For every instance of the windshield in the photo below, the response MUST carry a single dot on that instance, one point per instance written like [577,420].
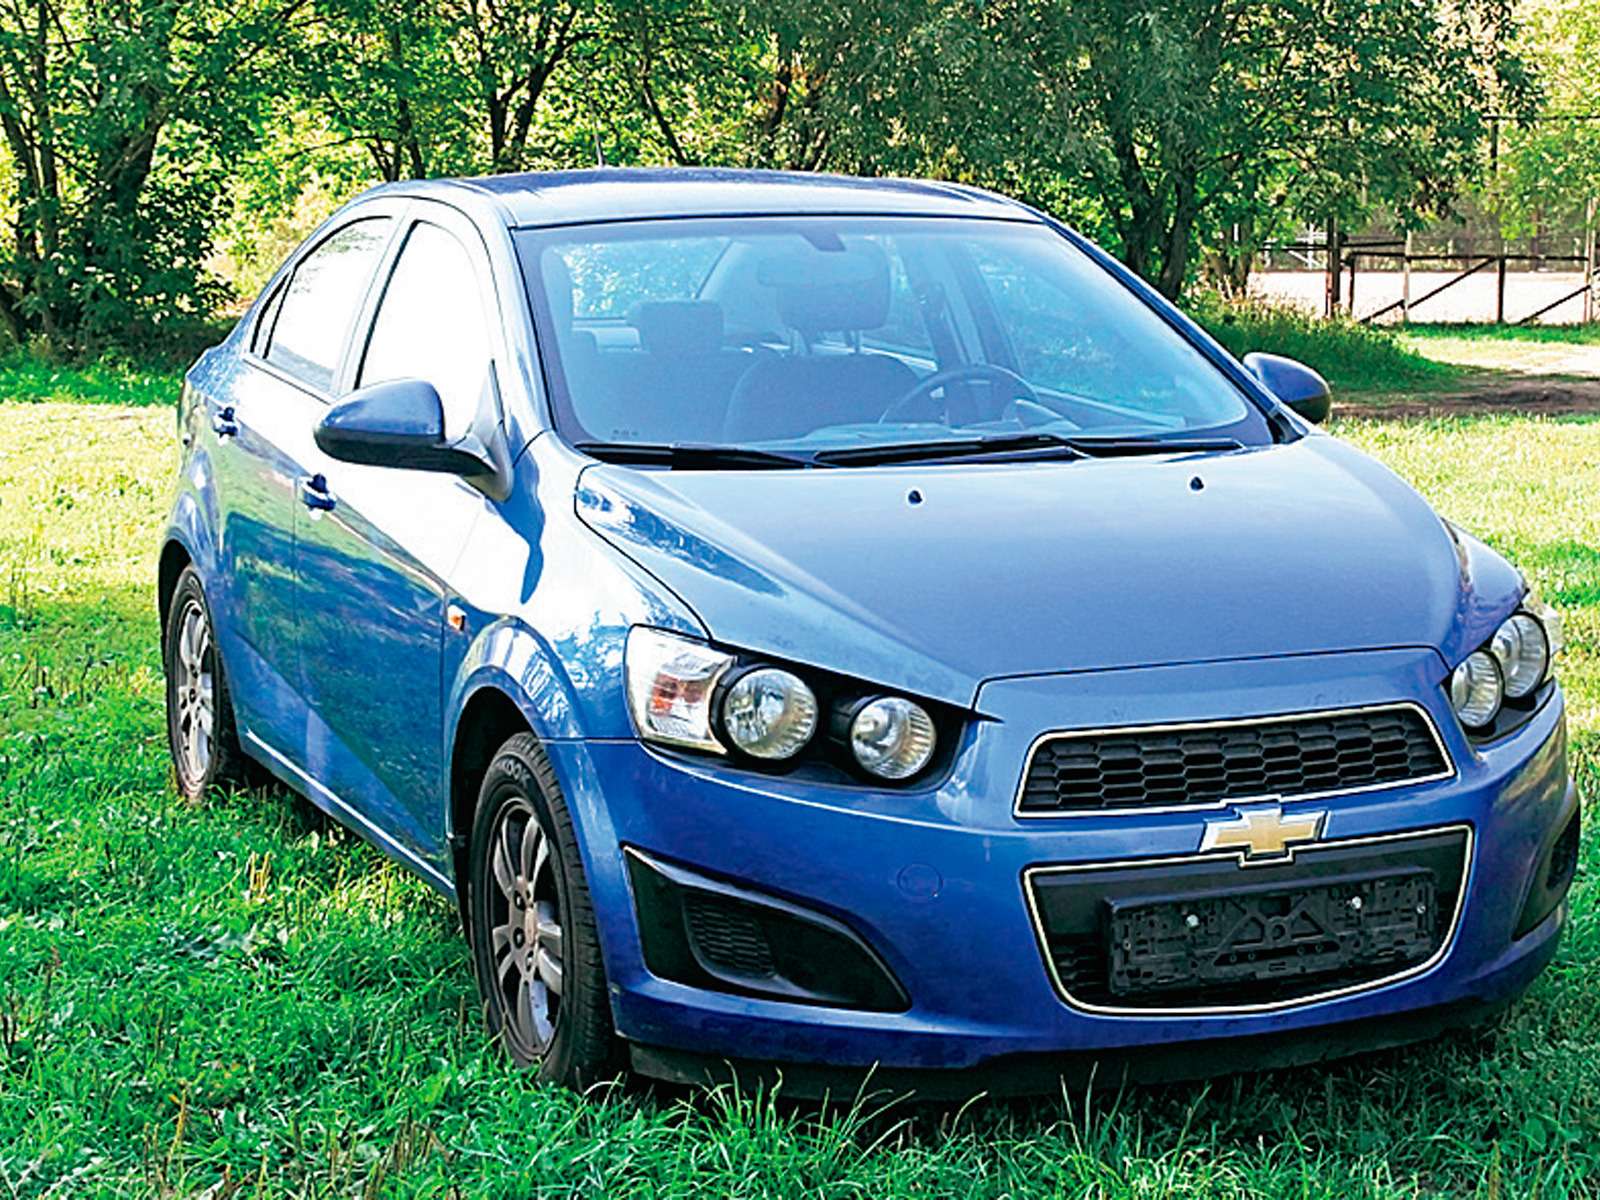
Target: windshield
[813,334]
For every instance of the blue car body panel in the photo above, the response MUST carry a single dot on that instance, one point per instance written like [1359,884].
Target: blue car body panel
[1032,597]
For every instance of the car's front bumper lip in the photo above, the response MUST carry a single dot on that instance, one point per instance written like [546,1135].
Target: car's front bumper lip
[934,884]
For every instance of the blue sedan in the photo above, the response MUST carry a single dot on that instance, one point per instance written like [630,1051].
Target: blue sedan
[825,625]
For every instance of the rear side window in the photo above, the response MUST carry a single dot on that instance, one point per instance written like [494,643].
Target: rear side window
[321,300]
[430,325]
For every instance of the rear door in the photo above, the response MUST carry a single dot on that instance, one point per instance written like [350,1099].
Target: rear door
[262,430]
[375,545]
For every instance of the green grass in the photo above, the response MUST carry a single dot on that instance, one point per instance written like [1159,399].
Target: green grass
[1576,335]
[218,999]
[1354,358]
[27,379]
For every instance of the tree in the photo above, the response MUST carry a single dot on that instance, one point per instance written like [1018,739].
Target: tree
[1182,118]
[1550,166]
[117,121]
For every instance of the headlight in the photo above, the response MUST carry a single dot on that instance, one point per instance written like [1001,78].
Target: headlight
[1520,648]
[670,681]
[892,737]
[1476,690]
[1549,618]
[769,713]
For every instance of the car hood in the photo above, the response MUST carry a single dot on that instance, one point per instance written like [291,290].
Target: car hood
[935,578]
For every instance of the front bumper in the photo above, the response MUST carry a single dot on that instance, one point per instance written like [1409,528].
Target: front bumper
[932,880]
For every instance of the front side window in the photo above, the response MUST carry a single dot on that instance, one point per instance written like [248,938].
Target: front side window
[818,333]
[320,302]
[430,325]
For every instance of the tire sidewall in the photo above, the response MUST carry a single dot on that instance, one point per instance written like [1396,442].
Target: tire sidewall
[513,775]
[188,590]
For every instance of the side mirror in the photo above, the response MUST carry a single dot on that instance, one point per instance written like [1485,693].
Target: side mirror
[1296,384]
[398,424]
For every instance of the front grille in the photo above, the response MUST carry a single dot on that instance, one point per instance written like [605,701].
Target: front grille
[1173,766]
[1120,938]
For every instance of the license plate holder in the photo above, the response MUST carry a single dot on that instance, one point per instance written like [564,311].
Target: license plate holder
[1270,932]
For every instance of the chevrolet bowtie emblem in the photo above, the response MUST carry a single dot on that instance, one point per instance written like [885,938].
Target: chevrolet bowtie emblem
[1262,832]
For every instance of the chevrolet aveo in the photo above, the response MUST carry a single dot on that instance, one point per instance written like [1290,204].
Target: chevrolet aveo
[836,624]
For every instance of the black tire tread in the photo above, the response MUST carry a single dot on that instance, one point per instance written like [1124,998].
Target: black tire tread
[586,1051]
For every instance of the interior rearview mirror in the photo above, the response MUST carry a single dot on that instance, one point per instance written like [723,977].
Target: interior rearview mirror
[399,424]
[1296,384]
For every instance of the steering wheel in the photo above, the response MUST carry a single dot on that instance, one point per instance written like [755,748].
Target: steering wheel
[942,379]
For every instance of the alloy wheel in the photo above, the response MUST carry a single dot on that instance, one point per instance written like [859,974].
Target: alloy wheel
[525,927]
[194,682]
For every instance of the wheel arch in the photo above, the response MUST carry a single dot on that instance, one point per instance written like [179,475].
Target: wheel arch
[175,557]
[487,720]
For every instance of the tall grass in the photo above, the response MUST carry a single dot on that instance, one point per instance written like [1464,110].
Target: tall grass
[1353,357]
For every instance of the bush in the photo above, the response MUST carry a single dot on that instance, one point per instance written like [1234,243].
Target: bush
[1352,356]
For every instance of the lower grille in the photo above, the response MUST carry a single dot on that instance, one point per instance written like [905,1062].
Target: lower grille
[728,935]
[1172,766]
[1203,933]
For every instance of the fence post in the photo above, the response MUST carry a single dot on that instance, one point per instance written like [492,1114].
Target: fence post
[1588,259]
[1330,292]
[1500,289]
[1405,282]
[1350,298]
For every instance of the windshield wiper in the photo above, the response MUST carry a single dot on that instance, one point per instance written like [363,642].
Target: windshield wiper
[688,455]
[1005,446]
[1023,446]
[1111,447]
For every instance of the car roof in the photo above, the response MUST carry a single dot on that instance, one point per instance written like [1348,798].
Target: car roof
[541,198]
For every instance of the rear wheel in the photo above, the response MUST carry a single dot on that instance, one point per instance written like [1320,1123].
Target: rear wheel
[200,730]
[536,949]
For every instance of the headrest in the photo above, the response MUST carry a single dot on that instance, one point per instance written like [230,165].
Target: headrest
[830,291]
[558,287]
[678,326]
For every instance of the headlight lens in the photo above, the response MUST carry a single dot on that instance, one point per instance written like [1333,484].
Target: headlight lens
[670,681]
[1549,618]
[892,737]
[1520,648]
[769,713]
[1476,690]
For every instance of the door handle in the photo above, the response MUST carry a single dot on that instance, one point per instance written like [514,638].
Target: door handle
[223,423]
[314,493]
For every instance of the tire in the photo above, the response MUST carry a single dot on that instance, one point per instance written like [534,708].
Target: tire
[201,735]
[531,925]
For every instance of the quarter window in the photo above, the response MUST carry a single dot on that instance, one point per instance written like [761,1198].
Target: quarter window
[320,303]
[430,325]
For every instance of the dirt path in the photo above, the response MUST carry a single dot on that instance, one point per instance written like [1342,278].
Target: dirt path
[1529,396]
[1533,378]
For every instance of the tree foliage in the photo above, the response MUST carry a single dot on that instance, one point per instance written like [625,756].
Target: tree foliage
[1177,131]
[1551,165]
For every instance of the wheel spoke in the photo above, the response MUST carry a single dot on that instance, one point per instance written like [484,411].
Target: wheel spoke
[547,929]
[523,1011]
[548,970]
[532,853]
[500,861]
[504,952]
[191,751]
[541,858]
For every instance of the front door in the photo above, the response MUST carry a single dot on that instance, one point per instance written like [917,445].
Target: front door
[260,425]
[374,546]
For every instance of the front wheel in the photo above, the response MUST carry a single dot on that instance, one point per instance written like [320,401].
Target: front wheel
[535,945]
